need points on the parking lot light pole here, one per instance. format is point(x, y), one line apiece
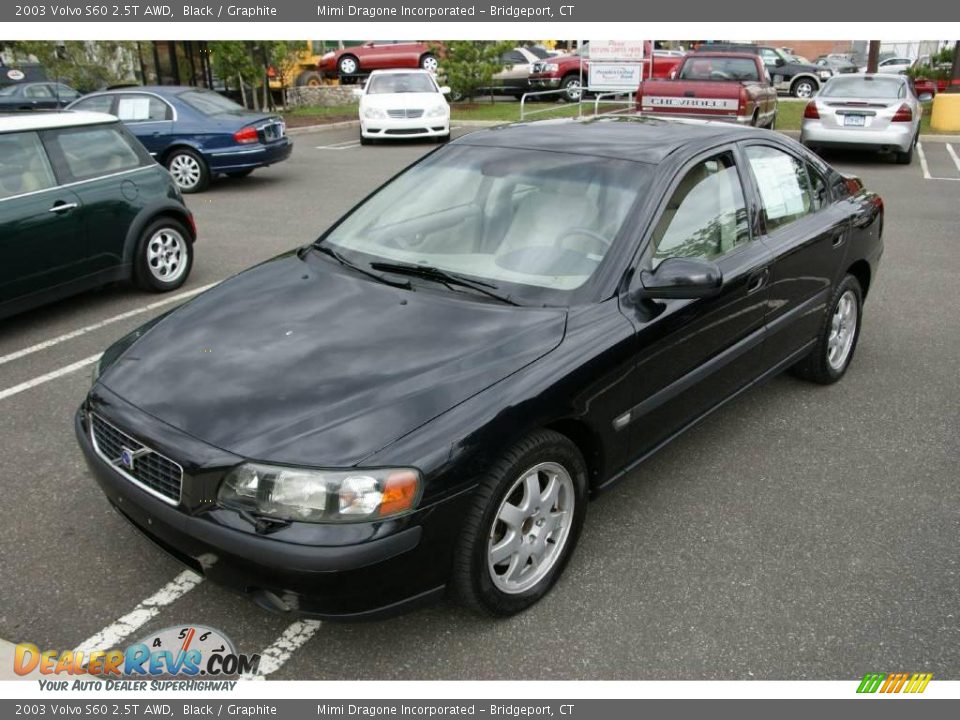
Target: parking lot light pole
point(946, 105)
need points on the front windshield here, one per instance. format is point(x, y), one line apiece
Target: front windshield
point(209, 102)
point(864, 87)
point(528, 221)
point(391, 83)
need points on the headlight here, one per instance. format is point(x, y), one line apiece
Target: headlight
point(438, 111)
point(549, 67)
point(320, 496)
point(372, 113)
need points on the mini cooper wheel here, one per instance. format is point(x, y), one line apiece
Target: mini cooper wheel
point(189, 170)
point(839, 332)
point(164, 256)
point(523, 525)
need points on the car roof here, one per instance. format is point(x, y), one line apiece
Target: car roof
point(640, 138)
point(718, 53)
point(16, 122)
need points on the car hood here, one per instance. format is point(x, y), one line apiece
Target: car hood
point(403, 100)
point(297, 361)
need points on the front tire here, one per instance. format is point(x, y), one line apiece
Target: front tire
point(189, 170)
point(164, 256)
point(837, 340)
point(429, 62)
point(523, 525)
point(572, 89)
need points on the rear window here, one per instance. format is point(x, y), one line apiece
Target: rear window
point(89, 152)
point(209, 102)
point(864, 87)
point(23, 165)
point(716, 68)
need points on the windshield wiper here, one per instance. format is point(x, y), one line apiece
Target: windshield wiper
point(446, 278)
point(327, 250)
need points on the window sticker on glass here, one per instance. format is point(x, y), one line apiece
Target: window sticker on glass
point(134, 108)
point(780, 190)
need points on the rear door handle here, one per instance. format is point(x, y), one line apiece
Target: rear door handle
point(63, 207)
point(839, 238)
point(757, 280)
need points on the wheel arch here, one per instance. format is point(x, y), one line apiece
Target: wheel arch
point(587, 441)
point(805, 76)
point(861, 271)
point(164, 155)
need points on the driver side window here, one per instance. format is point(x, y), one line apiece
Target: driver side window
point(706, 215)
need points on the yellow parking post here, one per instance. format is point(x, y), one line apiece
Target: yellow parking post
point(946, 113)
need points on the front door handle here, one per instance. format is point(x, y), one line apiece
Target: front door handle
point(63, 207)
point(839, 238)
point(757, 280)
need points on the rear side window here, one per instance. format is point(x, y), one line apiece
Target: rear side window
point(97, 103)
point(142, 108)
point(93, 151)
point(38, 91)
point(24, 167)
point(783, 184)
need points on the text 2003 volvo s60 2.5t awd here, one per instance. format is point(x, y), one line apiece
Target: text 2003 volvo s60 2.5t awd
point(425, 397)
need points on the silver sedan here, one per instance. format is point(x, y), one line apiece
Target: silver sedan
point(864, 112)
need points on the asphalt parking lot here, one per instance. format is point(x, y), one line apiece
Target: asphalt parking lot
point(800, 532)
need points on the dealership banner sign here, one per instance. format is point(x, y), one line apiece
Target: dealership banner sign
point(615, 76)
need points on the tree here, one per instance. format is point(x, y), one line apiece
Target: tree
point(469, 65)
point(82, 64)
point(247, 63)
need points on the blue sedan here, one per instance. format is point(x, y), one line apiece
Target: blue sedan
point(195, 133)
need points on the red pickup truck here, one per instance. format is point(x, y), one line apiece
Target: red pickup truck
point(714, 86)
point(563, 72)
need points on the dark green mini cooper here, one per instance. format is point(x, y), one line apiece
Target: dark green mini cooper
point(82, 204)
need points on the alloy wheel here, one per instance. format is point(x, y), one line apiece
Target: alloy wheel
point(348, 66)
point(843, 330)
point(186, 171)
point(430, 64)
point(531, 528)
point(167, 255)
point(804, 89)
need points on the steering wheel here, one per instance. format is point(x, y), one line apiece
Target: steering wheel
point(585, 232)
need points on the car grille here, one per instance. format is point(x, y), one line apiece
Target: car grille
point(273, 131)
point(135, 461)
point(408, 114)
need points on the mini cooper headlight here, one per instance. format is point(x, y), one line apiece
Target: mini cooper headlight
point(310, 495)
point(374, 113)
point(437, 111)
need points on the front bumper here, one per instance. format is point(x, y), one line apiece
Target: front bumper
point(346, 571)
point(398, 129)
point(898, 136)
point(549, 83)
point(242, 157)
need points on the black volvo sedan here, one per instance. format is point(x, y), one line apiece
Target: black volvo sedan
point(425, 398)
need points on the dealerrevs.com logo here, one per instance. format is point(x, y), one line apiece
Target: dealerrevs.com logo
point(183, 651)
point(909, 683)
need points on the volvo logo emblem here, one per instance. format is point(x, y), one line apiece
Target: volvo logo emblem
point(128, 457)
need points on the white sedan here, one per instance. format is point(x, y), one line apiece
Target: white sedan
point(403, 104)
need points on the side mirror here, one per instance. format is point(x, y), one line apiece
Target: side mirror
point(780, 62)
point(445, 89)
point(686, 278)
point(358, 92)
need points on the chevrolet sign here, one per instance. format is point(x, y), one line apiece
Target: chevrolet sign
point(690, 102)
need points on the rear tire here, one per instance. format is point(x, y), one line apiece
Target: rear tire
point(189, 170)
point(522, 526)
point(905, 158)
point(309, 79)
point(833, 352)
point(164, 256)
point(804, 88)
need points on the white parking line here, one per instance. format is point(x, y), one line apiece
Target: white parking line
point(345, 145)
point(956, 160)
point(103, 323)
point(41, 379)
point(292, 639)
point(923, 162)
point(113, 634)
